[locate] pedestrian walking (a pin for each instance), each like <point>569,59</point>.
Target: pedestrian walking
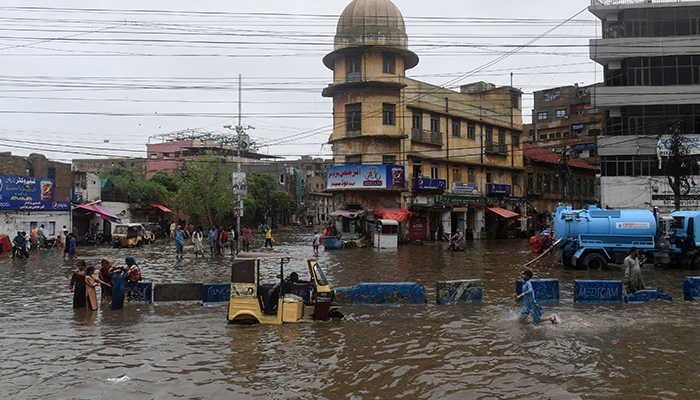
<point>213,241</point>
<point>223,238</point>
<point>173,226</point>
<point>71,246</point>
<point>179,242</point>
<point>118,275</point>
<point>316,242</point>
<point>268,237</point>
<point>530,305</point>
<point>90,285</point>
<point>77,285</point>
<point>247,238</point>
<point>197,241</point>
<point>41,236</point>
<point>633,271</point>
<point>106,281</point>
<point>234,238</point>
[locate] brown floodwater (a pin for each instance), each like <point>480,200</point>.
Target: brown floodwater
<point>477,351</point>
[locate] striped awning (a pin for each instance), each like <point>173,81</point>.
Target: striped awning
<point>100,212</point>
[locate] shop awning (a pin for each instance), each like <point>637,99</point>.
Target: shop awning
<point>161,207</point>
<point>100,212</point>
<point>397,214</point>
<point>345,213</point>
<point>507,214</point>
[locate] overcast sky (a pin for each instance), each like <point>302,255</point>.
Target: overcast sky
<point>82,79</point>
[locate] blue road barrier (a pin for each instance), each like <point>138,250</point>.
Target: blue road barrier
<point>642,296</point>
<point>597,292</point>
<point>459,291</point>
<point>216,292</point>
<point>546,290</point>
<point>691,288</point>
<point>382,293</point>
<point>177,291</point>
<point>139,292</point>
<point>332,243</point>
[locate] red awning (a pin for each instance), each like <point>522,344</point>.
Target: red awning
<point>397,214</point>
<point>161,207</point>
<point>100,212</point>
<point>507,214</point>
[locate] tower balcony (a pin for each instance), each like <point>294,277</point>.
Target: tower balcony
<point>426,136</point>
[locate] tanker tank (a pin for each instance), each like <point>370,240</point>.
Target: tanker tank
<point>570,224</point>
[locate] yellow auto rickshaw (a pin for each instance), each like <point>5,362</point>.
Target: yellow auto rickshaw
<point>286,301</point>
<point>131,235</point>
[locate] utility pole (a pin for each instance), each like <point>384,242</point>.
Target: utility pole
<point>678,166</point>
<point>241,139</point>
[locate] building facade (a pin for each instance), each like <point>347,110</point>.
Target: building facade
<point>650,53</point>
<point>34,191</point>
<point>564,118</point>
<point>449,157</point>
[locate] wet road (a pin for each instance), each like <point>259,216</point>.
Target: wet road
<point>185,350</point>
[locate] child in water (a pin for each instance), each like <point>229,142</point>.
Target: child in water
<point>530,304</point>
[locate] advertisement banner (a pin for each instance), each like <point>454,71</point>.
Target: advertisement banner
<point>430,184</point>
<point>366,177</point>
<point>689,145</point>
<point>240,185</point>
<point>28,193</point>
<point>495,188</point>
<point>662,195</point>
<point>465,188</point>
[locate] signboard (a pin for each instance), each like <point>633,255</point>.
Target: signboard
<point>452,199</point>
<point>494,188</point>
<point>431,184</point>
<point>689,145</point>
<point>465,188</point>
<point>240,185</point>
<point>514,199</point>
<point>366,177</point>
<point>29,193</point>
<point>662,196</point>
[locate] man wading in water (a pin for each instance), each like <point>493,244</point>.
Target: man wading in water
<point>530,304</point>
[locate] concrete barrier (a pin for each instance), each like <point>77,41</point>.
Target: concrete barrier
<point>597,292</point>
<point>216,292</point>
<point>139,292</point>
<point>459,291</point>
<point>642,296</point>
<point>382,293</point>
<point>177,291</point>
<point>546,290</point>
<point>691,288</point>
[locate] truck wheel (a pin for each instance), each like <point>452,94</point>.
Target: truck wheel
<point>594,261</point>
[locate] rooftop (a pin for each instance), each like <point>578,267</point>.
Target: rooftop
<point>543,155</point>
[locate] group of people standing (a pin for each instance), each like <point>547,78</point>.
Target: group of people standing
<point>219,240</point>
<point>112,281</point>
<point>37,240</point>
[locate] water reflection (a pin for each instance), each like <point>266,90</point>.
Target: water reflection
<point>422,352</point>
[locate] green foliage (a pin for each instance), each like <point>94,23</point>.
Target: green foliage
<point>264,200</point>
<point>205,188</point>
<point>169,181</point>
<point>141,193</point>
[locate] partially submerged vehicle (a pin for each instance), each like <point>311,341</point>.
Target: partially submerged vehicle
<point>253,302</point>
<point>131,235</point>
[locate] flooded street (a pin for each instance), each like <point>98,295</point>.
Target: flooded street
<point>185,350</point>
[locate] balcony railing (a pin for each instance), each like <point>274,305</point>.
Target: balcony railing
<point>496,148</point>
<point>425,136</point>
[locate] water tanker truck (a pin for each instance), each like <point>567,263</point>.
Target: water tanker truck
<point>593,237</point>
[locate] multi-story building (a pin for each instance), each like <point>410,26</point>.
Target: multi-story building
<point>34,191</point>
<point>554,178</point>
<point>312,203</point>
<point>453,158</point>
<point>100,165</point>
<point>564,118</point>
<point>650,53</point>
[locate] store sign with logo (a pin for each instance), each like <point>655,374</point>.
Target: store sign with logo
<point>28,193</point>
<point>366,177</point>
<point>494,188</point>
<point>430,184</point>
<point>465,188</point>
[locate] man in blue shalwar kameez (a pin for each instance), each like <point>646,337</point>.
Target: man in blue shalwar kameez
<point>530,304</point>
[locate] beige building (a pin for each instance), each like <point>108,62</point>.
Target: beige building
<point>452,158</point>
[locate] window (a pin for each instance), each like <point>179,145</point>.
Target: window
<point>542,115</point>
<point>555,183</point>
<point>488,134</point>
<point>388,160</point>
<point>353,160</point>
<point>52,228</point>
<point>471,131</point>
<point>456,128</point>
<point>435,172</point>
<point>529,181</point>
<point>503,178</point>
<point>177,154</point>
<point>489,177</point>
<point>389,114</point>
<point>543,136</point>
<point>434,123</point>
<point>353,68</point>
<point>388,63</point>
<point>516,180</point>
<point>166,156</point>
<point>516,140</point>
<point>540,179</point>
<point>561,113</point>
<point>154,156</point>
<point>471,177</point>
<point>558,135</point>
<point>502,148</point>
<point>456,174</point>
<point>353,119</point>
<point>51,173</point>
<point>417,120</point>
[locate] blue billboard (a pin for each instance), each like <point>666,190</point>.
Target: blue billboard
<point>430,184</point>
<point>366,177</point>
<point>494,188</point>
<point>29,193</point>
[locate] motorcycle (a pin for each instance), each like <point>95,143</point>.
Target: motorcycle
<point>17,253</point>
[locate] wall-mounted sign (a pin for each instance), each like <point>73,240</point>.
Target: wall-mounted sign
<point>514,199</point>
<point>28,193</point>
<point>689,145</point>
<point>240,185</point>
<point>366,177</point>
<point>494,188</point>
<point>465,188</point>
<point>431,184</point>
<point>453,199</point>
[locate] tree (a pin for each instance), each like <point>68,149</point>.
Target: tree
<point>141,193</point>
<point>206,189</point>
<point>264,199</point>
<point>678,167</point>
